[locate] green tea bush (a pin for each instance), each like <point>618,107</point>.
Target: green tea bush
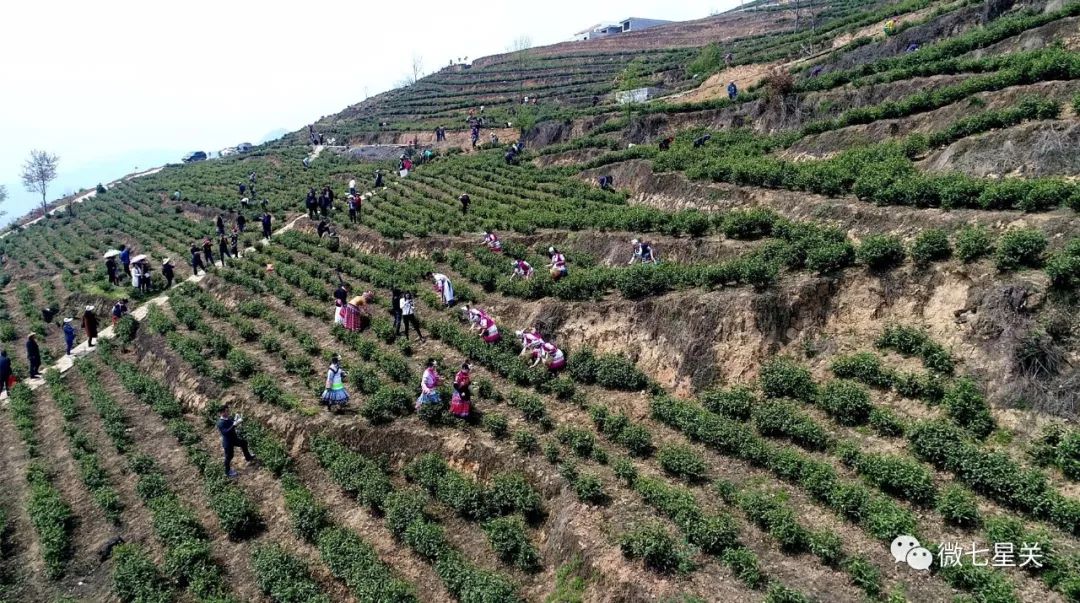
<point>958,507</point>
<point>885,422</point>
<point>847,402</point>
<point>682,461</point>
<point>744,564</point>
<point>966,406</point>
<point>783,418</point>
<point>52,518</point>
<point>511,492</point>
<point>135,578</point>
<point>748,224</point>
<point>660,550</point>
<point>357,564</point>
<point>1020,248</point>
<point>734,402</point>
<point>307,515</point>
<point>387,404</point>
<point>1063,267</point>
<point>510,541</point>
<point>782,377</point>
<point>525,441</point>
<point>881,252</point>
<point>864,367</point>
<point>897,475</point>
<point>930,245</point>
<point>495,423</point>
<point>973,242</point>
<point>356,474</point>
<point>284,578</point>
<point>240,363</point>
<point>778,593</point>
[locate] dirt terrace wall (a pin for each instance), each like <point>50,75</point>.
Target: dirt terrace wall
<point>672,190</point>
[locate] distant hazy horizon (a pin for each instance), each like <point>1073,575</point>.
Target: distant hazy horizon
<point>116,85</point>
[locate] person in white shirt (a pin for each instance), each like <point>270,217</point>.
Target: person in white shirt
<point>352,186</point>
<point>643,252</point>
<point>443,287</point>
<point>408,316</point>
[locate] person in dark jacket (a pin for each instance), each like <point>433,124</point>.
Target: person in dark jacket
<point>395,310</point>
<point>341,294</point>
<point>208,252</point>
<point>266,225</point>
<point>168,272</point>
<point>732,90</point>
<point>110,268</point>
<point>125,259</point>
<point>241,221</point>
<point>33,355</point>
<point>379,179</point>
<point>230,439</point>
<point>322,228</point>
<point>196,261</point>
<point>465,201</point>
<point>223,249</point>
<point>5,370</point>
<point>311,204</point>
<point>69,335</point>
<point>220,224</point>
<point>234,243</point>
<point>90,325</point>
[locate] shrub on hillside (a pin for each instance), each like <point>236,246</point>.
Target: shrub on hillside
<point>966,405</point>
<point>748,224</point>
<point>881,252</point>
<point>734,402</point>
<point>660,550</point>
<point>931,245</point>
<point>847,402</point>
<point>972,242</point>
<point>782,377</point>
<point>682,461</point>
<point>958,507</point>
<point>1020,248</point>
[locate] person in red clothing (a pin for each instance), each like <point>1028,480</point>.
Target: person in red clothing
<point>461,404</point>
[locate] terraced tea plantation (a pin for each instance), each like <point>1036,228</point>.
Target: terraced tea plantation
<point>851,375</point>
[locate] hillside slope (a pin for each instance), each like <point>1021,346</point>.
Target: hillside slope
<point>862,325</point>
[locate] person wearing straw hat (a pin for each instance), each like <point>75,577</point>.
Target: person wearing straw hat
<point>69,335</point>
<point>168,272</point>
<point>33,355</point>
<point>335,395</point>
<point>90,325</point>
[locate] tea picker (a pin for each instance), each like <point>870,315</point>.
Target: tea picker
<point>643,252</point>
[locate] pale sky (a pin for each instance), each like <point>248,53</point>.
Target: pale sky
<point>109,85</point>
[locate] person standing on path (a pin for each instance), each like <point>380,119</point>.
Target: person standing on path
<point>5,370</point>
<point>241,221</point>
<point>379,179</point>
<point>408,316</point>
<point>196,261</point>
<point>234,243</point>
<point>220,224</point>
<point>208,252</point>
<point>223,249</point>
<point>352,186</point>
<point>125,259</point>
<point>168,272</point>
<point>395,309</point>
<point>311,204</point>
<point>266,225</point>
<point>335,396</point>
<point>33,355</point>
<point>230,439</point>
<point>90,325</point>
<point>69,335</point>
